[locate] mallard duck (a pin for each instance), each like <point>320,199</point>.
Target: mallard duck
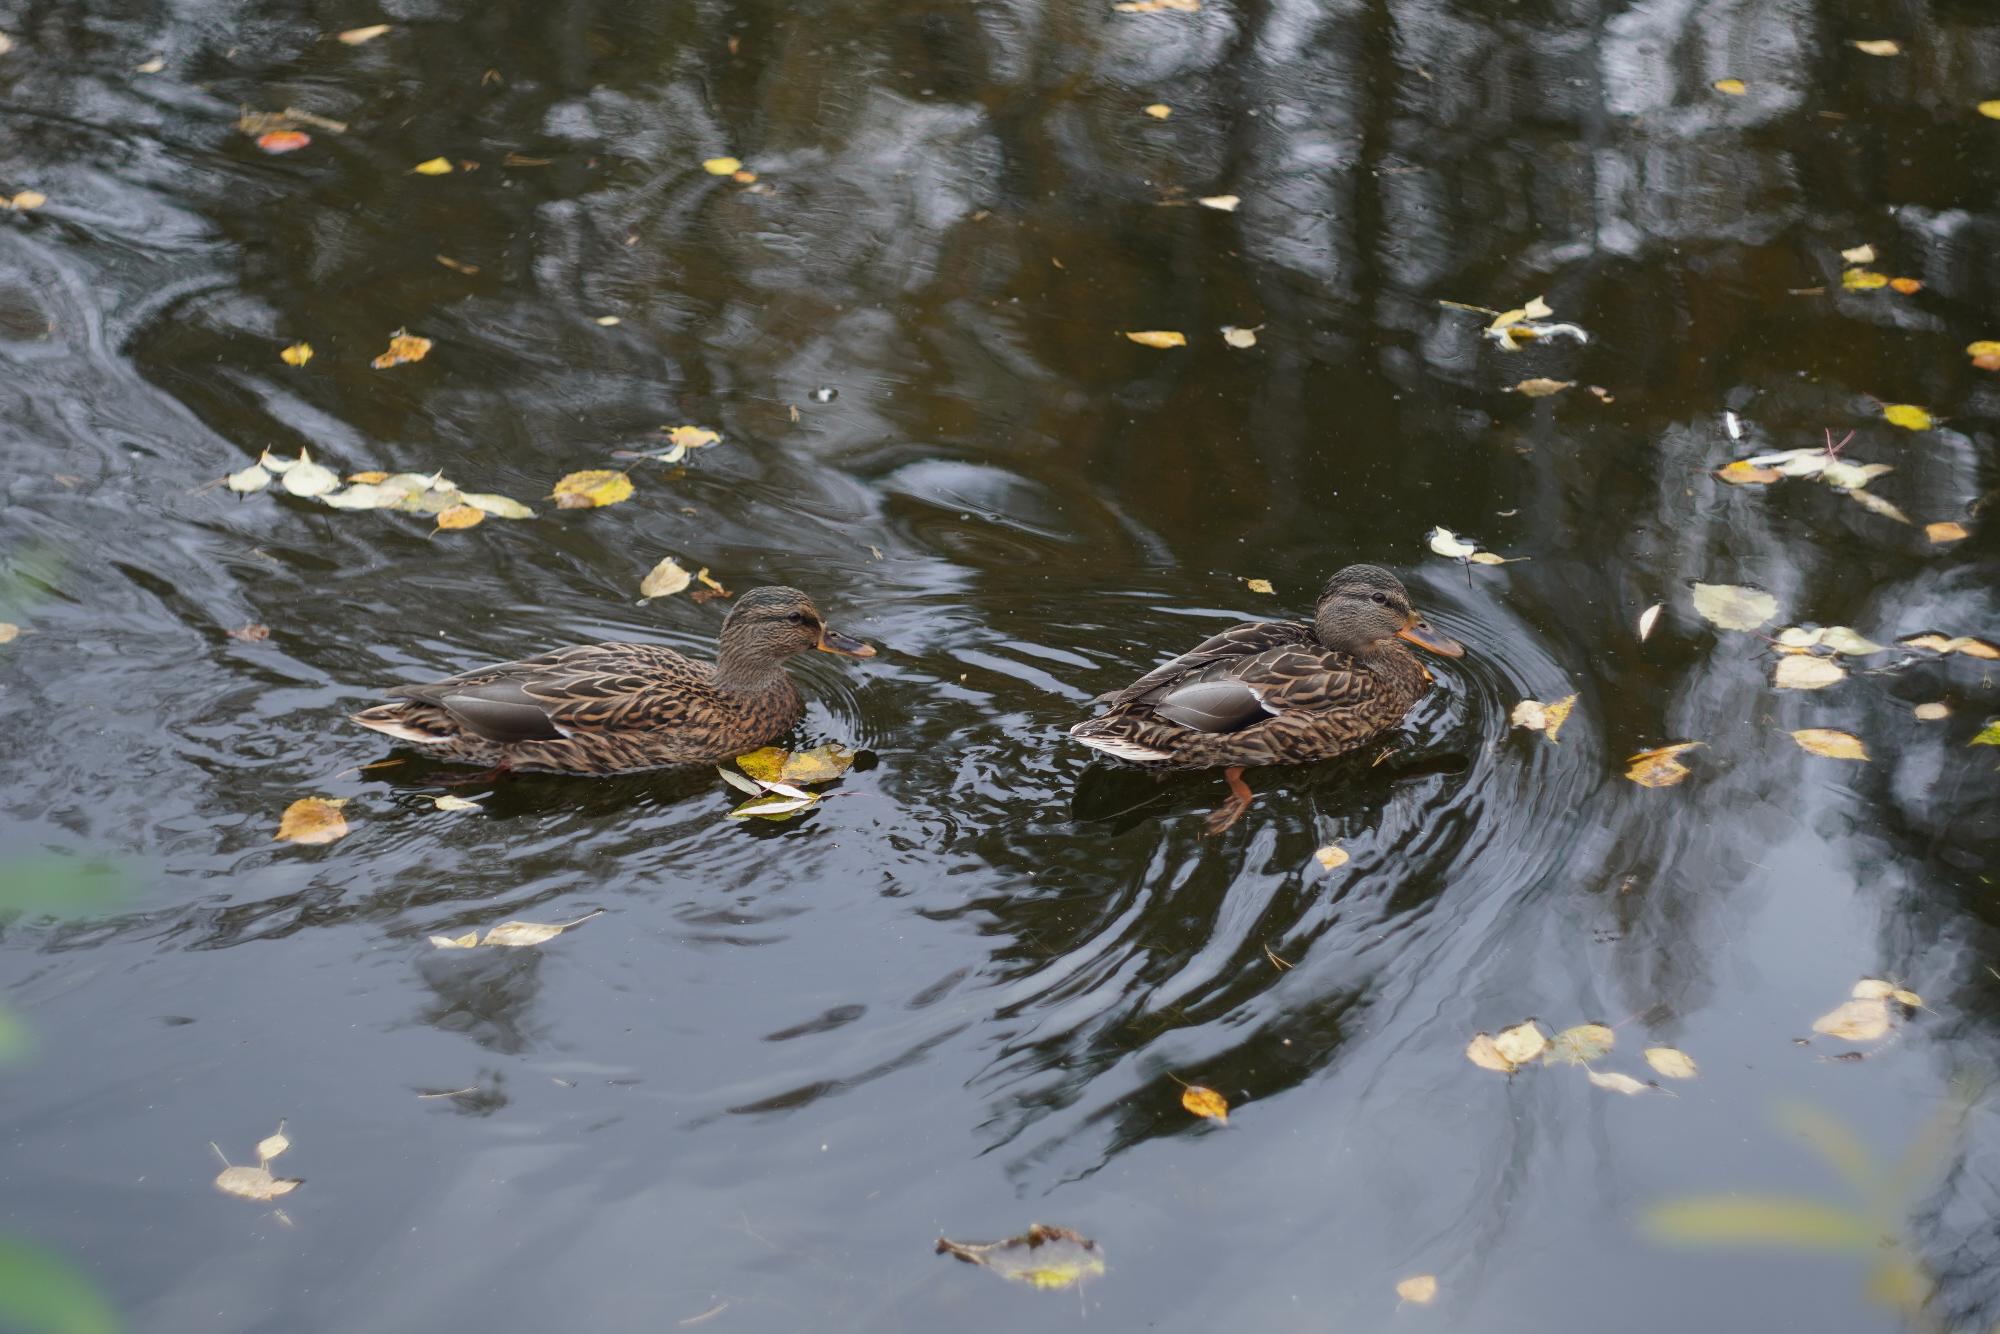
<point>617,708</point>
<point>1277,692</point>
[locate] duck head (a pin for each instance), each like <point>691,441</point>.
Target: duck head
<point>1364,606</point>
<point>768,625</point>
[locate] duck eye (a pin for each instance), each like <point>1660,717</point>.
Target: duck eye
<point>1380,599</point>
<point>797,618</point>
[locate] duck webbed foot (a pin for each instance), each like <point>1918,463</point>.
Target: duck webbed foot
<point>1230,811</point>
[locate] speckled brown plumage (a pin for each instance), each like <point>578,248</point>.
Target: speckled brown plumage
<point>619,708</point>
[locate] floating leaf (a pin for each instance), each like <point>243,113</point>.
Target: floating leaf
<point>1544,718</point>
<point>254,1183</point>
<point>500,507</point>
<point>1991,110</point>
<point>1042,1257</point>
<point>692,437</point>
<point>1542,388</point>
<point>1870,501</point>
<point>1832,744</point>
<point>1221,203</point>
<point>594,487</point>
<point>1861,254</point>
<point>457,265</point>
<point>283,141</point>
<point>9,632</point>
<point>356,36</point>
<point>1418,1290</point>
<point>1580,1045</point>
<point>664,579</point>
<point>1617,1083</point>
<point>1803,672</point>
<point>773,764</point>
<point>1839,638</point>
<point>437,166</point>
<point>1521,1043</point>
<point>251,633</point>
<point>365,496</point>
<point>1648,619</point>
<point>1876,46</point>
<point>1989,735</point>
<point>1906,415</point>
<point>1909,998</point>
<point>272,1144</point>
<point>1855,1020</point>
<point>1332,857</point>
<point>1907,286</point>
<point>252,478</point>
<point>460,516</point>
<point>1671,1062</point>
<point>298,354</point>
<point>1159,338</point>
<point>469,940</point>
<point>517,934</point>
<point>313,820</point>
<point>1966,644</point>
<point>403,347</point>
<point>451,803</point>
<point>1748,1220</point>
<point>1238,337</point>
<point>1259,585</point>
<point>1733,87</point>
<point>306,478</point>
<point>1733,607</point>
<point>1205,1102</point>
<point>773,806</point>
<point>1851,476</point>
<point>1941,533</point>
<point>1931,712</point>
<point>1985,354</point>
<point>1863,280</point>
<point>1159,111</point>
<point>722,166</point>
<point>1660,767</point>
<point>1743,472</point>
<point>1483,1052</point>
<point>1447,543</point>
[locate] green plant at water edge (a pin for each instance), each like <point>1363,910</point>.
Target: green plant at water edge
<point>44,1293</point>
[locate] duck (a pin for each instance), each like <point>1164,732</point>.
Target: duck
<point>1277,692</point>
<point>603,709</point>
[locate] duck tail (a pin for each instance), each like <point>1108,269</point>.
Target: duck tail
<point>405,722</point>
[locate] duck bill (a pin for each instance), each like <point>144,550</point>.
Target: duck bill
<point>832,641</point>
<point>1420,633</point>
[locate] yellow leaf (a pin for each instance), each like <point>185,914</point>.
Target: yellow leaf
<point>1159,111</point>
<point>1236,337</point>
<point>1542,388</point>
<point>1259,585</point>
<point>1877,46</point>
<point>9,632</point>
<point>1805,672</point>
<point>451,803</point>
<point>1909,998</point>
<point>1521,1043</point>
<point>1671,1062</point>
<point>402,347</point>
<point>1661,767</point>
<point>28,199</point>
<point>1932,712</point>
<point>460,516</point>
<point>774,764</point>
<point>1507,319</point>
<point>530,933</point>
<point>368,478</point>
<point>272,1144</point>
<point>356,36</point>
<point>1483,1052</point>
<point>722,166</point>
<point>1537,309</point>
<point>1447,543</point>
<point>298,354</point>
<point>437,166</point>
<point>1855,1021</point>
<point>664,579</point>
<point>692,437</point>
<point>1617,1083</point>
<point>464,942</point>
<point>1580,1045</point>
<point>457,265</point>
<point>1832,744</point>
<point>253,1183</point>
<point>1863,280</point>
<point>593,487</point>
<point>1332,857</point>
<point>1419,1290</point>
<point>1906,415</point>
<point>1220,203</point>
<point>1871,988</point>
<point>1861,254</point>
<point>1544,718</point>
<point>313,820</point>
<point>743,177</point>
<point>1205,1102</point>
<point>500,507</point>
<point>1733,87</point>
<point>1990,109</point>
<point>1160,338</point>
<point>1745,473</point>
<point>1734,607</point>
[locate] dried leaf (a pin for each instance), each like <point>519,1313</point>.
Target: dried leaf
<point>1872,988</point>
<point>1159,338</point>
<point>1804,672</point>
<point>1259,585</point>
<point>1580,1045</point>
<point>1483,1052</point>
<point>1542,388</point>
<point>1941,533</point>
<point>252,633</point>
<point>437,166</point>
<point>1159,111</point>
<point>9,632</point>
<point>1648,619</point>
<point>594,487</point>
<point>1238,337</point>
<point>722,166</point>
<point>1990,109</point>
<point>254,1183</point>
<point>664,579</point>
<point>1042,1257</point>
<point>531,933</point>
<point>1332,857</point>
<point>306,478</point>
<point>1907,286</point>
<point>465,942</point>
<point>1743,472</point>
<point>773,807</point>
<point>313,820</point>
<point>1733,87</point>
<point>1617,1083</point>
<point>774,764</point>
<point>1932,712</point>
<point>1863,280</point>
<point>1907,415</point>
<point>366,496</point>
<point>1870,501</point>
<point>1221,203</point>
<point>1544,718</point>
<point>460,516</point>
<point>1855,1021</point>
<point>1909,998</point>
<point>1876,46</point>
<point>298,354</point>
<point>692,437</point>
<point>1843,639</point>
<point>1851,476</point>
<point>1419,1290</point>
<point>457,265</point>
<point>1832,744</point>
<point>1205,1102</point>
<point>1671,1062</point>
<point>1972,648</point>
<point>272,1144</point>
<point>1861,254</point>
<point>252,478</point>
<point>1447,543</point>
<point>283,141</point>
<point>500,507</point>
<point>1521,1043</point>
<point>402,347</point>
<point>451,803</point>
<point>1733,607</point>
<point>356,36</point>
<point>1660,767</point>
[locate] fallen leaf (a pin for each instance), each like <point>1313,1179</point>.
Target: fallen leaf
<point>1648,619</point>
<point>1991,110</point>
<point>1743,472</point>
<point>9,632</point>
<point>592,488</point>
<point>1972,648</point>
<point>1872,988</point>
<point>1259,585</point>
<point>1521,1043</point>
<point>1671,1062</point>
<point>742,177</point>
<point>298,354</point>
<point>1418,1290</point>
<point>1159,338</point>
<point>1832,744</point>
<point>470,940</point>
<point>722,166</point>
<point>402,347</point>
<point>1906,415</point>
<point>1863,280</point>
<point>1932,712</point>
<point>252,633</point>
<point>313,820</point>
<point>1447,543</point>
<point>1332,857</point>
<point>1580,1045</point>
<point>1221,203</point>
<point>254,1183</point>
<point>1238,337</point>
<point>460,516</point>
<point>437,166</point>
<point>306,478</point>
<point>1870,501</point>
<point>1483,1052</point>
<point>773,807</point>
<point>1909,998</point>
<point>1733,87</point>
<point>153,66</point>
<point>451,803</point>
<point>1660,767</point>
<point>283,141</point>
<point>1940,533</point>
<point>1804,672</point>
<point>1205,1102</point>
<point>1842,639</point>
<point>1855,1021</point>
<point>252,478</point>
<point>1861,254</point>
<point>531,933</point>
<point>457,265</point>
<point>1989,735</point>
<point>26,200</point>
<point>774,764</point>
<point>500,507</point>
<point>272,1144</point>
<point>1733,607</point>
<point>692,437</point>
<point>664,579</point>
<point>1603,395</point>
<point>1877,46</point>
<point>1544,718</point>
<point>1042,1257</point>
<point>365,496</point>
<point>1617,1083</point>
<point>1542,388</point>
<point>356,36</point>
<point>1907,286</point>
<point>1159,111</point>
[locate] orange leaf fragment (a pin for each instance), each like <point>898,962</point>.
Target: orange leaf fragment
<point>1661,767</point>
<point>1940,533</point>
<point>1205,1102</point>
<point>1907,286</point>
<point>402,347</point>
<point>313,820</point>
<point>1745,473</point>
<point>283,141</point>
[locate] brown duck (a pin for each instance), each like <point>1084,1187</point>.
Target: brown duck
<point>619,708</point>
<point>1277,692</point>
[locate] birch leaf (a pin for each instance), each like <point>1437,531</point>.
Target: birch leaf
<point>1660,767</point>
<point>252,478</point>
<point>306,478</point>
<point>1876,46</point>
<point>1803,672</point>
<point>403,347</point>
<point>272,1144</point>
<point>1042,1257</point>
<point>1855,1021</point>
<point>1332,857</point>
<point>1734,607</point>
<point>454,517</point>
<point>356,36</point>
<point>1580,1045</point>
<point>1447,543</point>
<point>1544,718</point>
<point>1907,415</point>
<point>1206,1102</point>
<point>774,764</point>
<point>1483,1052</point>
<point>518,934</point>
<point>1418,1290</point>
<point>722,166</point>
<point>1617,1083</point>
<point>500,507</point>
<point>664,579</point>
<point>595,487</point>
<point>1221,203</point>
<point>451,803</point>
<point>1834,745</point>
<point>254,1183</point>
<point>1238,337</point>
<point>313,820</point>
<point>1521,1043</point>
<point>469,940</point>
<point>1671,1062</point>
<point>298,354</point>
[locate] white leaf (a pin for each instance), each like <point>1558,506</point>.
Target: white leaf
<point>1671,1062</point>
<point>664,579</point>
<point>1447,543</point>
<point>273,1144</point>
<point>1617,1083</point>
<point>1648,619</point>
<point>740,783</point>
<point>451,803</point>
<point>1801,672</point>
<point>306,478</point>
<point>1855,1021</point>
<point>273,464</point>
<point>362,496</point>
<point>252,478</point>
<point>1734,607</point>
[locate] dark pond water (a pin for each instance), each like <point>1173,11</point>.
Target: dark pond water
<point>962,995</point>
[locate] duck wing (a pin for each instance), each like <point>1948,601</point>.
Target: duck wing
<point>587,688</point>
<point>1242,691</point>
<point>1236,644</point>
